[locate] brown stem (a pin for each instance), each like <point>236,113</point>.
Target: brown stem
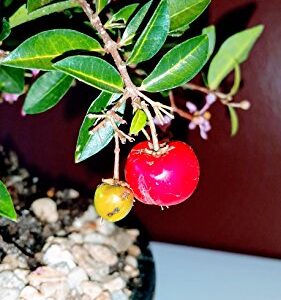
<point>110,46</point>
<point>177,110</point>
<point>116,157</point>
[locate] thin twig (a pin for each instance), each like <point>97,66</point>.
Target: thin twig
<point>177,110</point>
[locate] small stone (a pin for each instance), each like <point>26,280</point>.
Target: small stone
<point>114,284</point>
<point>56,254</point>
<point>62,267</point>
<point>11,260</point>
<point>134,250</point>
<point>121,241</point>
<point>102,254</point>
<point>75,277</point>
<point>131,271</point>
<point>9,293</point>
<point>22,275</point>
<point>45,209</point>
<point>105,227</point>
<point>5,267</point>
<point>86,297</point>
<point>95,270</point>
<point>76,238</point>
<point>56,290</point>
<point>31,293</point>
<point>10,281</point>
<point>128,292</point>
<point>95,238</point>
<point>134,233</point>
<point>104,296</point>
<point>119,295</point>
<point>89,216</point>
<point>45,274</point>
<point>131,260</point>
<point>91,289</point>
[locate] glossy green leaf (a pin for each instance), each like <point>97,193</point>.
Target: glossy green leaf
<point>100,5</point>
<point>210,31</point>
<point>95,135</point>
<point>46,92</point>
<point>22,16</point>
<point>178,66</point>
<point>5,30</point>
<point>93,71</point>
<point>179,32</point>
<point>38,51</point>
<point>11,80</point>
<point>139,122</point>
<point>184,12</point>
<point>153,36</point>
<point>121,18</point>
<point>234,121</point>
<point>35,4</point>
<point>235,50</point>
<point>237,80</point>
<point>7,209</point>
<point>134,25</point>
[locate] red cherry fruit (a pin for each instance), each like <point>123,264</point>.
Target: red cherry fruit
<point>162,179</point>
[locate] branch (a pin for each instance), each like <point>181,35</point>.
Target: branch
<point>177,110</point>
<point>116,157</point>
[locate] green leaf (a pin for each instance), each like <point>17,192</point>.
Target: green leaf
<point>5,31</point>
<point>139,122</point>
<point>122,15</point>
<point>38,51</point>
<point>234,121</point>
<point>100,5</point>
<point>11,80</point>
<point>93,71</point>
<point>153,36</point>
<point>134,25</point>
<point>35,4</point>
<point>237,80</point>
<point>7,209</point>
<point>210,31</point>
<point>184,12</point>
<point>46,92</point>
<point>90,143</point>
<point>179,32</point>
<point>178,66</point>
<point>235,50</point>
<point>22,16</point>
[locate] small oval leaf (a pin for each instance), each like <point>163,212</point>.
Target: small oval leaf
<point>100,5</point>
<point>139,122</point>
<point>178,66</point>
<point>22,16</point>
<point>11,80</point>
<point>90,143</point>
<point>46,92</point>
<point>235,50</point>
<point>210,31</point>
<point>93,71</point>
<point>7,209</point>
<point>38,51</point>
<point>134,25</point>
<point>121,17</point>
<point>153,36</point>
<point>184,12</point>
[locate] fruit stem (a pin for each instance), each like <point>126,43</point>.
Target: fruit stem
<point>116,157</point>
<point>152,126</point>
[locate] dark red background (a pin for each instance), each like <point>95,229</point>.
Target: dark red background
<point>237,206</point>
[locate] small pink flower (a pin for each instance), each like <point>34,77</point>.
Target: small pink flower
<point>191,107</point>
<point>167,122</point>
<point>10,98</point>
<point>35,72</point>
<point>203,124</point>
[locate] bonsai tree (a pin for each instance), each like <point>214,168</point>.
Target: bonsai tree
<point>137,56</point>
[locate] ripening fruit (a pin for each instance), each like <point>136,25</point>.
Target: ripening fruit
<point>113,201</point>
<point>165,178</point>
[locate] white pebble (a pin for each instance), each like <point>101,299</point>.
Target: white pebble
<point>75,277</point>
<point>55,254</point>
<point>102,254</point>
<point>45,209</point>
<point>91,289</point>
<point>115,284</point>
